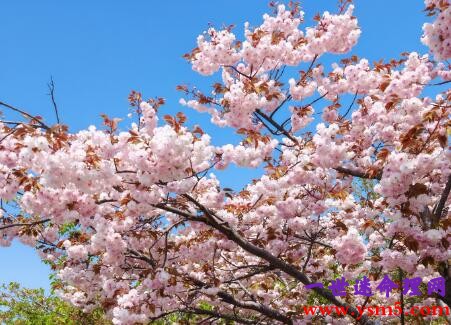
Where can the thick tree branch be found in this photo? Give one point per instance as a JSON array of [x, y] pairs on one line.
[[274, 261], [262, 309], [356, 173], [251, 274], [276, 125], [212, 313], [142, 257], [238, 71], [24, 224], [438, 210]]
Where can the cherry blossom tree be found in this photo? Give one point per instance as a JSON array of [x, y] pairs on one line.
[[356, 182]]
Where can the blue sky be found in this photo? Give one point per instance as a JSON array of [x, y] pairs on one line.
[[97, 51]]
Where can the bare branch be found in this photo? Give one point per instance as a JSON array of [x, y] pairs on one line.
[[51, 86], [350, 106], [238, 71], [31, 117]]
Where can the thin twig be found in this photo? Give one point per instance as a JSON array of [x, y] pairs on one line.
[[350, 106], [31, 117], [51, 86], [277, 126]]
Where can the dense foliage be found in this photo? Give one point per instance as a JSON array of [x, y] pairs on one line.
[[21, 306]]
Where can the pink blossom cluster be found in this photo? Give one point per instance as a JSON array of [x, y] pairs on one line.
[[333, 34], [350, 248], [246, 156], [436, 35], [215, 49], [276, 42], [360, 78], [299, 120]]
